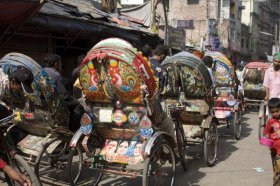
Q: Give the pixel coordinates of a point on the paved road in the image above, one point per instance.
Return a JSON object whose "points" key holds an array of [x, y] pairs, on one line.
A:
{"points": [[236, 163]]}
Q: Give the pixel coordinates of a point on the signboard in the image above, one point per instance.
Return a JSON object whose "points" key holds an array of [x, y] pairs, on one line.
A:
{"points": [[187, 24], [175, 38], [132, 2]]}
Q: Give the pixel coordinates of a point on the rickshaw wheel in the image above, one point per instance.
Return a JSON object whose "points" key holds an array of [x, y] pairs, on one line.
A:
{"points": [[84, 163], [180, 136], [53, 164], [237, 124], [155, 173], [260, 126], [73, 169], [210, 144]]}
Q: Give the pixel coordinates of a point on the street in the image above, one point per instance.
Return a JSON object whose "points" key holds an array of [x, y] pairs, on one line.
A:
{"points": [[244, 162]]}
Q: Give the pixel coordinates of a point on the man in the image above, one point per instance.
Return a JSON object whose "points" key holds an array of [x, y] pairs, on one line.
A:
{"points": [[13, 83], [76, 92], [160, 117], [53, 68], [208, 62], [147, 51], [272, 78], [160, 54]]}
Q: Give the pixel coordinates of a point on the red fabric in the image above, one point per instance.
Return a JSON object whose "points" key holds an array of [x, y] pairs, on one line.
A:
{"points": [[2, 164], [257, 65], [272, 129], [16, 11]]}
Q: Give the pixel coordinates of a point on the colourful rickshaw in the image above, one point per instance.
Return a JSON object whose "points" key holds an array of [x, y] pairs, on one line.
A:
{"points": [[40, 129], [253, 75], [254, 91], [189, 100], [227, 107], [117, 133]]}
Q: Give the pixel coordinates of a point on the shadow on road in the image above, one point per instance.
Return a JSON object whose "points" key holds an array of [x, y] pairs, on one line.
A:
{"points": [[196, 163], [227, 139]]}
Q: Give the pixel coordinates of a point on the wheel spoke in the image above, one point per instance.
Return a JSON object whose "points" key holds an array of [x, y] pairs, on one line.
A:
{"points": [[160, 166]]}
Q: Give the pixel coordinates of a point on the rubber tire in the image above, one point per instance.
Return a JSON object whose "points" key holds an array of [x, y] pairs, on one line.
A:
{"points": [[148, 160], [38, 159], [182, 151], [208, 162], [260, 126], [237, 125], [19, 160], [70, 159]]}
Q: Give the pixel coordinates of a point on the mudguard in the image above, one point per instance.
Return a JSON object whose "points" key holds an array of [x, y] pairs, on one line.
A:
{"points": [[76, 138], [150, 143], [206, 122]]}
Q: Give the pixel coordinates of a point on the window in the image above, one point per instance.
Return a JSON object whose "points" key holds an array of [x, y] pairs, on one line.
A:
{"points": [[190, 2]]}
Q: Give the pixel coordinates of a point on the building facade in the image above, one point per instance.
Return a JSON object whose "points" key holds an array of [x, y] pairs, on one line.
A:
{"points": [[212, 22], [262, 20]]}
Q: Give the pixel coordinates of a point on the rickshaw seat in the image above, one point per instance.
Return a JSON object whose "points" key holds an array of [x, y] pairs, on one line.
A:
{"points": [[201, 104]]}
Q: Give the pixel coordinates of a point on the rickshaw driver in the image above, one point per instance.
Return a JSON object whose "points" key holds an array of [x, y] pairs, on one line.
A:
{"points": [[272, 78], [12, 84], [53, 68], [208, 62], [160, 53], [9, 85]]}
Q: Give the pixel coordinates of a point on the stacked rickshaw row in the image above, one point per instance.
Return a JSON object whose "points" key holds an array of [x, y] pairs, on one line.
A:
{"points": [[122, 126]]}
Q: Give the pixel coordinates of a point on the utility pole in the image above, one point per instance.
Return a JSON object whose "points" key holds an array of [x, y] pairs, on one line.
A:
{"points": [[153, 14], [276, 40], [207, 22]]}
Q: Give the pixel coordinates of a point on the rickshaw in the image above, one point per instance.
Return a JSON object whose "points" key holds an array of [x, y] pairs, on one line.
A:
{"points": [[227, 107], [117, 133], [40, 129], [254, 91], [189, 100], [253, 75]]}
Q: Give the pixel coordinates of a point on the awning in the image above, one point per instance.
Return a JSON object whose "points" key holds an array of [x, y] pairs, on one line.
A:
{"points": [[17, 11]]}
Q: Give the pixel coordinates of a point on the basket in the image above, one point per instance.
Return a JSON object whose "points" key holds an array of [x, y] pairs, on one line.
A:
{"points": [[266, 142]]}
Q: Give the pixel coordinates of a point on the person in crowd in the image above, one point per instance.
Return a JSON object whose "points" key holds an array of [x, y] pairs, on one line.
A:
{"points": [[272, 78], [147, 51], [53, 68], [14, 175], [272, 131], [239, 74], [160, 54], [162, 120], [208, 62], [198, 54], [13, 83], [76, 92]]}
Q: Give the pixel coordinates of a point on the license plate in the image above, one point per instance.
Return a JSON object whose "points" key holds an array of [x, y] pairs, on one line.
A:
{"points": [[105, 115]]}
